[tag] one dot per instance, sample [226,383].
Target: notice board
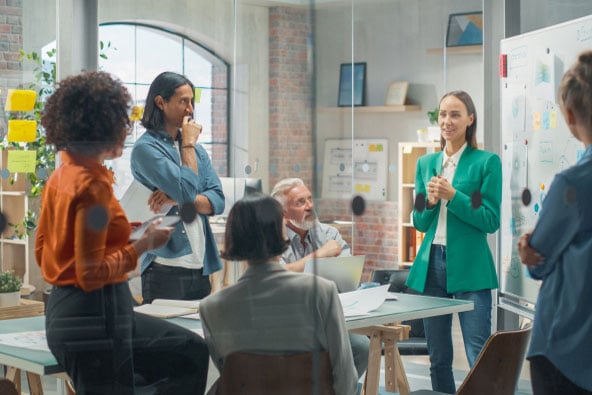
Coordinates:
[355,167]
[536,143]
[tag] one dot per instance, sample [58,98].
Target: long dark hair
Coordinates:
[254,230]
[471,135]
[163,85]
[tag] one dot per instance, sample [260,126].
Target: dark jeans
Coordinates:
[475,325]
[546,379]
[106,348]
[169,282]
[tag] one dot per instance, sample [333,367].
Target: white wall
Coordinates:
[392,37]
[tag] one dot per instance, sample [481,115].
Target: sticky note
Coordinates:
[372,148]
[20,100]
[22,130]
[536,120]
[196,95]
[553,119]
[137,113]
[21,161]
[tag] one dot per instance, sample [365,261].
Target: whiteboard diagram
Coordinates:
[536,143]
[355,169]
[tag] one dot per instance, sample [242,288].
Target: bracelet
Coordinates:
[188,146]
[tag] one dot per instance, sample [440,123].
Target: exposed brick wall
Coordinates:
[220,119]
[291,141]
[374,233]
[11,42]
[290,87]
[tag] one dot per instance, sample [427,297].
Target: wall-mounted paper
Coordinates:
[21,161]
[137,113]
[196,95]
[20,100]
[22,130]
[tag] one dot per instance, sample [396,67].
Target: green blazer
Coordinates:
[469,263]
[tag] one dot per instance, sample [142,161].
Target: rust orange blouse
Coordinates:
[83,233]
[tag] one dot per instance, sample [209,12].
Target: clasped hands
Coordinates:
[439,188]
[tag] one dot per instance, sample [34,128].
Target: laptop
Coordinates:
[344,271]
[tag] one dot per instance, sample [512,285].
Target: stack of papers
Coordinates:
[363,301]
[168,308]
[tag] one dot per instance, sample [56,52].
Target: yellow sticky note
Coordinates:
[553,119]
[21,161]
[196,95]
[22,130]
[536,120]
[20,100]
[137,113]
[372,148]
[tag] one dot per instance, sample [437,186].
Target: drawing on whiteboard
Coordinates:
[355,167]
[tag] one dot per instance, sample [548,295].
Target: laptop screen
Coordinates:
[344,271]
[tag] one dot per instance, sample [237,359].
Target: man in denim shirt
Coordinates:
[168,160]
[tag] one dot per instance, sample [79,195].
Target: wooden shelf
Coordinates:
[396,108]
[464,50]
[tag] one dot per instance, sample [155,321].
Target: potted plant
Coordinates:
[434,129]
[10,289]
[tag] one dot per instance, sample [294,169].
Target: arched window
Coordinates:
[137,53]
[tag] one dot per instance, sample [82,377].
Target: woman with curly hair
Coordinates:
[84,251]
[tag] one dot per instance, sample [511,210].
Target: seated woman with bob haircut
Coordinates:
[271,310]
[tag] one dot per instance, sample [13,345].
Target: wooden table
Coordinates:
[407,307]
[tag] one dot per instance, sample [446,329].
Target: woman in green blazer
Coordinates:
[458,203]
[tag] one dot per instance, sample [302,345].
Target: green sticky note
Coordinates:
[196,95]
[21,130]
[20,100]
[21,161]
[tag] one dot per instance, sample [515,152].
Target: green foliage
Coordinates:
[24,228]
[9,282]
[433,116]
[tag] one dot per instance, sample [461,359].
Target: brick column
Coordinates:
[290,90]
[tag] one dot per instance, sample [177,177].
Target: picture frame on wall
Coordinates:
[352,84]
[396,93]
[464,29]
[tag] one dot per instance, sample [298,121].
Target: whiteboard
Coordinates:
[536,143]
[355,167]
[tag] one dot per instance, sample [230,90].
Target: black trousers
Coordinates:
[546,379]
[106,348]
[169,282]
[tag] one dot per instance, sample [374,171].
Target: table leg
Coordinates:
[373,373]
[35,386]
[13,374]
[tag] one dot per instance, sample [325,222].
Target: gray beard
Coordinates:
[305,225]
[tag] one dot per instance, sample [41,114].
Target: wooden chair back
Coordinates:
[294,374]
[498,366]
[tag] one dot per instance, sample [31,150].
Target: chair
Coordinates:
[497,367]
[416,344]
[259,374]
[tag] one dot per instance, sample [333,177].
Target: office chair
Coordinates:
[7,387]
[264,374]
[417,343]
[497,368]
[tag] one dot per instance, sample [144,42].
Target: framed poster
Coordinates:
[352,85]
[465,29]
[397,93]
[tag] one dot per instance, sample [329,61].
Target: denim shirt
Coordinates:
[314,239]
[155,164]
[563,235]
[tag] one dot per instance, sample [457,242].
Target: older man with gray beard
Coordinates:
[311,239]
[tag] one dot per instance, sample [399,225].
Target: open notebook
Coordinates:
[168,308]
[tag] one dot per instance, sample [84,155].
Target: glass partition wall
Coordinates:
[325,91]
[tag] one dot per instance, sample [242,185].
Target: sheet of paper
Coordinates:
[161,311]
[363,301]
[20,161]
[34,340]
[22,130]
[20,100]
[135,203]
